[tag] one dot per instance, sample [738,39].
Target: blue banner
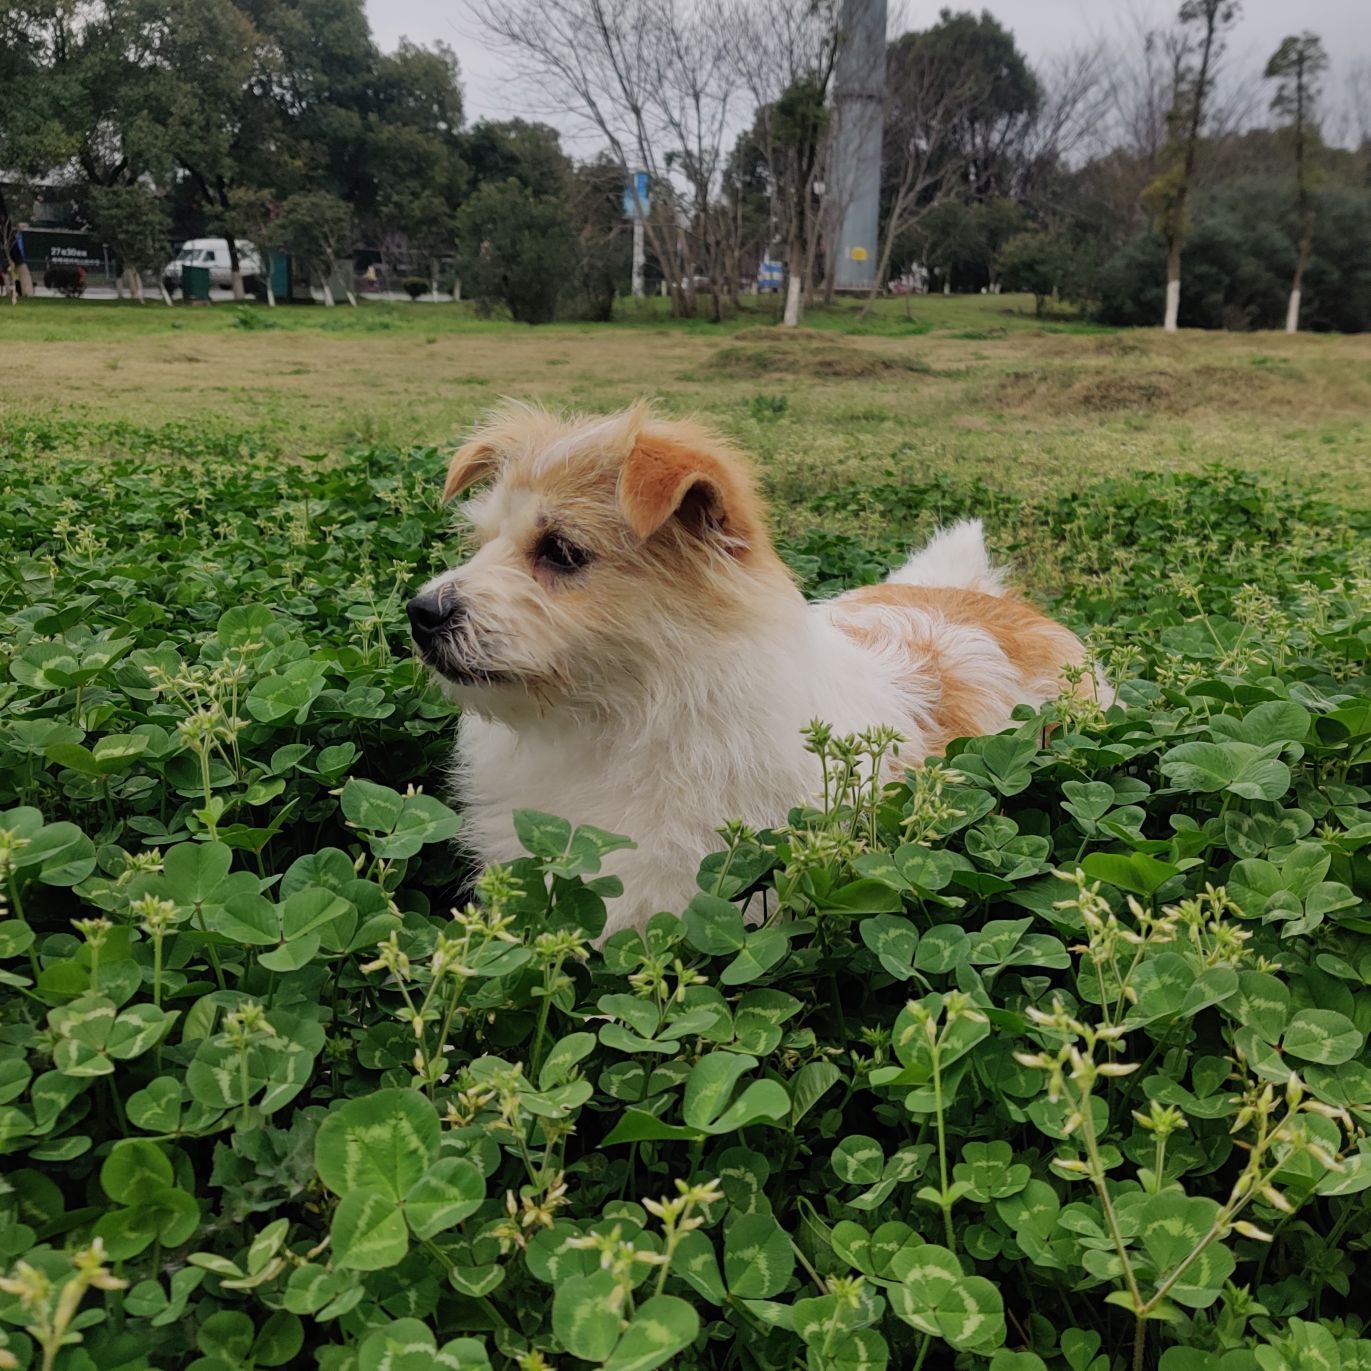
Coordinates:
[636,197]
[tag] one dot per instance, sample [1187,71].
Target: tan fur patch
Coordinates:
[1034,645]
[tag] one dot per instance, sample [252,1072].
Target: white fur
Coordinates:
[711,729]
[953,557]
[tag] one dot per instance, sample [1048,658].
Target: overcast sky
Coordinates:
[1041,27]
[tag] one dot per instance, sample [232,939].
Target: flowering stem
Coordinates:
[1097,1179]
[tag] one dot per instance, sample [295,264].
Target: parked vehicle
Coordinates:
[214,254]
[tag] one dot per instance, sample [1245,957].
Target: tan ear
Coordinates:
[472,462]
[667,475]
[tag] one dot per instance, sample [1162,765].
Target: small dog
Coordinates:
[629,651]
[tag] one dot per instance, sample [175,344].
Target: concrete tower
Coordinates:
[858,123]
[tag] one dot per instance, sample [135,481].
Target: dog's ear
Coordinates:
[472,462]
[666,476]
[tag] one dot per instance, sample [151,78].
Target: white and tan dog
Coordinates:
[629,651]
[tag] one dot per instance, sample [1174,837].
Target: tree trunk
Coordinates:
[136,283]
[235,269]
[235,262]
[11,256]
[1173,286]
[328,294]
[1292,313]
[811,241]
[830,231]
[794,282]
[25,279]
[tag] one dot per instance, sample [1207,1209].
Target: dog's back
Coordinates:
[970,647]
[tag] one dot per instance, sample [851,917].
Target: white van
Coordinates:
[214,254]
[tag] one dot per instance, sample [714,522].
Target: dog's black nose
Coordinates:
[429,614]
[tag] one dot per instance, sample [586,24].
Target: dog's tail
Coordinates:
[956,558]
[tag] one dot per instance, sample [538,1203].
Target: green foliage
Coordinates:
[1239,260]
[1035,262]
[133,223]
[963,242]
[515,149]
[969,63]
[316,229]
[515,249]
[605,246]
[1056,1045]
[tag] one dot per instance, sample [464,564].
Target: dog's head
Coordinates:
[605,550]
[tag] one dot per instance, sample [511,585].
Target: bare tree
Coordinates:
[1076,92]
[1194,65]
[648,77]
[783,53]
[1135,127]
[1357,109]
[923,102]
[693,87]
[1296,67]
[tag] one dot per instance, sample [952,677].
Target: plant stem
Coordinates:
[157,969]
[244,1081]
[535,1058]
[1097,1178]
[942,1143]
[923,1352]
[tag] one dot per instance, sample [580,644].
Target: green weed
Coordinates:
[1051,1056]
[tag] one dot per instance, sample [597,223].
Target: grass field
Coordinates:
[963,387]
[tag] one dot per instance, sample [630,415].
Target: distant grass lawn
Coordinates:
[969,387]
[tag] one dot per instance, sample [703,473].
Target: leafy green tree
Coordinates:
[799,127]
[316,229]
[424,227]
[1034,262]
[515,149]
[1296,66]
[970,70]
[134,223]
[35,133]
[254,217]
[210,59]
[414,145]
[995,222]
[945,240]
[1239,259]
[515,249]
[604,241]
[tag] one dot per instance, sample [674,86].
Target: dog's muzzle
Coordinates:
[432,615]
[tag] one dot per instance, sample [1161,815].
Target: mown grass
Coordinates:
[973,388]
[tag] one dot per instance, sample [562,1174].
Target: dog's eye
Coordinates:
[560,554]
